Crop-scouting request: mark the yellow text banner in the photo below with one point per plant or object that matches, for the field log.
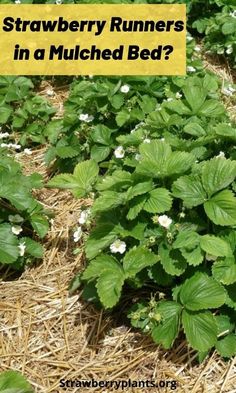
(93, 39)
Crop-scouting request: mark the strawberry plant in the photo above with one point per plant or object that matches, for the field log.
(22, 112)
(22, 218)
(220, 32)
(99, 110)
(164, 210)
(165, 224)
(100, 118)
(32, 118)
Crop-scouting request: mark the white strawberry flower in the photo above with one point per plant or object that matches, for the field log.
(233, 14)
(178, 95)
(125, 89)
(231, 88)
(137, 157)
(229, 49)
(84, 216)
(58, 1)
(22, 248)
(77, 234)
(16, 229)
(119, 152)
(17, 1)
(147, 140)
(220, 51)
(164, 221)
(146, 329)
(118, 246)
(4, 135)
(191, 69)
(197, 48)
(50, 92)
(28, 151)
(16, 218)
(182, 215)
(228, 91)
(86, 117)
(221, 155)
(169, 99)
(14, 146)
(189, 38)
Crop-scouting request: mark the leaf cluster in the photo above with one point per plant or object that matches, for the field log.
(22, 218)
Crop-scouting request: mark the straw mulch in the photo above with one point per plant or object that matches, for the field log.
(48, 335)
(223, 70)
(60, 94)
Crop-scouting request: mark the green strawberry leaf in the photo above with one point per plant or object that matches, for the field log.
(202, 292)
(200, 329)
(167, 330)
